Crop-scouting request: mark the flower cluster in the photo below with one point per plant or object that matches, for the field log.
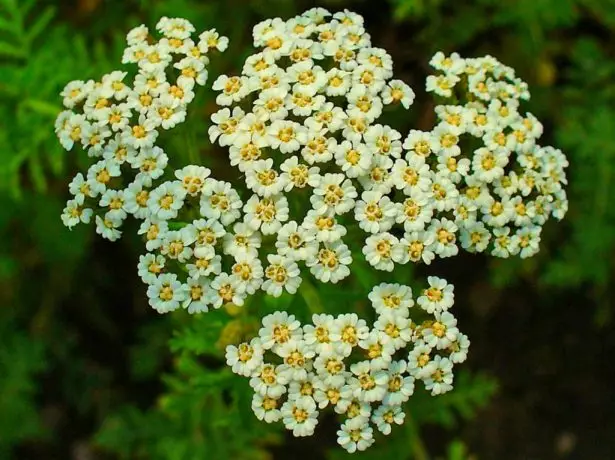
(118, 123)
(498, 183)
(303, 118)
(193, 221)
(364, 374)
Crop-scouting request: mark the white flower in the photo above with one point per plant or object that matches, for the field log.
(297, 356)
(415, 212)
(354, 160)
(300, 416)
(220, 201)
(135, 199)
(370, 384)
(270, 104)
(452, 64)
(475, 237)
(440, 379)
(411, 174)
(266, 214)
(444, 231)
(249, 271)
(391, 297)
(396, 91)
(93, 138)
(266, 408)
(233, 89)
(395, 326)
(363, 104)
(266, 381)
(318, 147)
(279, 328)
(438, 297)
(383, 140)
(197, 295)
(487, 165)
(75, 212)
(298, 175)
(504, 244)
(420, 363)
(193, 178)
(225, 127)
(328, 391)
(330, 265)
(167, 111)
(225, 289)
(211, 39)
(286, 136)
(348, 329)
(114, 200)
(73, 93)
(245, 358)
(338, 82)
(205, 263)
(379, 349)
(151, 163)
(459, 348)
(441, 84)
(154, 231)
(378, 250)
(116, 117)
(108, 227)
(442, 332)
(317, 335)
(334, 194)
(415, 247)
(263, 179)
(324, 227)
(142, 134)
(176, 244)
(529, 239)
(166, 293)
(375, 212)
(399, 386)
(296, 243)
(384, 416)
(421, 143)
(281, 274)
(243, 240)
(166, 200)
(379, 177)
(355, 434)
(327, 117)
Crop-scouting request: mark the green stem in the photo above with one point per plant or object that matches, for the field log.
(418, 448)
(310, 295)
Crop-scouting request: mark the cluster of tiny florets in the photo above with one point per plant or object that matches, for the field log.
(117, 122)
(494, 178)
(364, 374)
(302, 126)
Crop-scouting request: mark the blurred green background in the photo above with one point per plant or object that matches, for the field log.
(88, 371)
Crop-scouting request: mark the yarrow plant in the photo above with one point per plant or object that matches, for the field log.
(320, 182)
(363, 373)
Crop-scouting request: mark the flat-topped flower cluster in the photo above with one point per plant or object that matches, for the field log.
(363, 373)
(117, 122)
(303, 125)
(318, 178)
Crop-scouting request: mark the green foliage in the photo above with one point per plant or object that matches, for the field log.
(203, 403)
(21, 360)
(38, 57)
